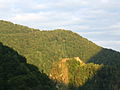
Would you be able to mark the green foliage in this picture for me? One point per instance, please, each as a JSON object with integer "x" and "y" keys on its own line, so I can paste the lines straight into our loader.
{"x": 93, "y": 77}
{"x": 106, "y": 57}
{"x": 43, "y": 48}
{"x": 16, "y": 74}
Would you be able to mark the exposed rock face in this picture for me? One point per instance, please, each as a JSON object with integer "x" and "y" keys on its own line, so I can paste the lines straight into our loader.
{"x": 60, "y": 72}
{"x": 75, "y": 58}
{"x": 78, "y": 59}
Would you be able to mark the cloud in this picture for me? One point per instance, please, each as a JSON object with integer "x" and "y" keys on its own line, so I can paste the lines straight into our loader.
{"x": 109, "y": 44}
{"x": 115, "y": 26}
{"x": 28, "y": 17}
{"x": 91, "y": 33}
{"x": 105, "y": 1}
{"x": 41, "y": 6}
{"x": 50, "y": 20}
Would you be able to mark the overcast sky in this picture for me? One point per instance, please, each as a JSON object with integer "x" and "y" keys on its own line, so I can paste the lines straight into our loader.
{"x": 97, "y": 20}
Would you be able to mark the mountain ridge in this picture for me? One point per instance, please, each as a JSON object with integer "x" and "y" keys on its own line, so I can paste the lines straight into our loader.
{"x": 44, "y": 48}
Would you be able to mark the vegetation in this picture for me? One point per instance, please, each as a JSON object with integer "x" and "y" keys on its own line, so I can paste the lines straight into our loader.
{"x": 16, "y": 74}
{"x": 93, "y": 76}
{"x": 42, "y": 49}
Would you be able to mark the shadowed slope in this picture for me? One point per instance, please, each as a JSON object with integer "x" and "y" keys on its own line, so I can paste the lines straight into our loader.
{"x": 77, "y": 75}
{"x": 16, "y": 74}
{"x": 106, "y": 57}
{"x": 106, "y": 78}
{"x": 92, "y": 76}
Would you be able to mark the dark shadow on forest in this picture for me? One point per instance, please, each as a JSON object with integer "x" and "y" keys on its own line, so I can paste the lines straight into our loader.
{"x": 16, "y": 74}
{"x": 106, "y": 57}
{"x": 108, "y": 76}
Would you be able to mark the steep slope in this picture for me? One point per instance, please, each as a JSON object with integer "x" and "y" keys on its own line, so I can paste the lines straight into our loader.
{"x": 16, "y": 74}
{"x": 77, "y": 75}
{"x": 93, "y": 76}
{"x": 60, "y": 72}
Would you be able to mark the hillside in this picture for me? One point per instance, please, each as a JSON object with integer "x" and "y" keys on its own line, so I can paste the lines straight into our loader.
{"x": 45, "y": 48}
{"x": 16, "y": 74}
{"x": 77, "y": 75}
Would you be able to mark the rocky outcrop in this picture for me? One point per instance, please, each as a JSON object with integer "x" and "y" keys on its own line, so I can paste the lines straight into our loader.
{"x": 60, "y": 72}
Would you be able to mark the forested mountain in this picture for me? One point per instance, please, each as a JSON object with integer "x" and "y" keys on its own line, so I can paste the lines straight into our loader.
{"x": 45, "y": 50}
{"x": 16, "y": 74}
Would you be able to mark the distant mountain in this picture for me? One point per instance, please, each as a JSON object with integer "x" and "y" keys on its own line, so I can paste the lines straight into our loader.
{"x": 45, "y": 48}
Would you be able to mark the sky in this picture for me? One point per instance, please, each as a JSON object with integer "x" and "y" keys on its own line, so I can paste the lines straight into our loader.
{"x": 97, "y": 20}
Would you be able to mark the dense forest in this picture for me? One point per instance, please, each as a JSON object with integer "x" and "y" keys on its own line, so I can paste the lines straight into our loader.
{"x": 16, "y": 74}
{"x": 32, "y": 55}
